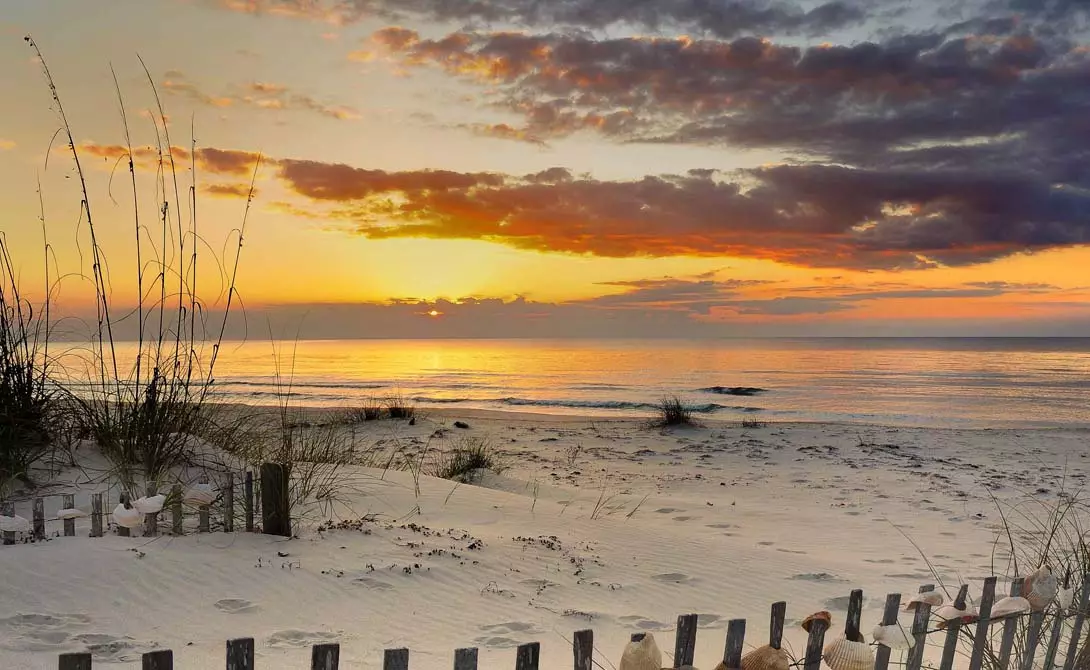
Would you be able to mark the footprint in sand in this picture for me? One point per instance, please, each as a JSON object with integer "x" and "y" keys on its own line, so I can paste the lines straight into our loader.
{"x": 294, "y": 639}
{"x": 45, "y": 621}
{"x": 684, "y": 518}
{"x": 818, "y": 577}
{"x": 234, "y": 605}
{"x": 112, "y": 648}
{"x": 372, "y": 583}
{"x": 721, "y": 525}
{"x": 496, "y": 637}
{"x": 840, "y": 603}
{"x": 668, "y": 510}
{"x": 642, "y": 623}
{"x": 879, "y": 561}
{"x": 40, "y": 631}
{"x": 672, "y": 578}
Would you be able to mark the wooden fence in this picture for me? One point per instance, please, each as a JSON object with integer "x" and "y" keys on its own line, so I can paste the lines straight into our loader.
{"x": 976, "y": 635}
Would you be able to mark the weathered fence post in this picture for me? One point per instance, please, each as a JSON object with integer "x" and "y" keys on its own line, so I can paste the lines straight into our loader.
{"x": 8, "y": 509}
{"x": 889, "y": 617}
{"x": 814, "y": 644}
{"x": 685, "y": 640}
{"x": 1010, "y": 626}
{"x": 249, "y": 502}
{"x": 240, "y": 654}
{"x": 736, "y": 634}
{"x": 527, "y": 656}
{"x": 151, "y": 521}
{"x": 39, "y": 518}
{"x": 583, "y": 648}
{"x": 984, "y": 613}
{"x": 275, "y": 511}
{"x": 158, "y": 660}
{"x": 855, "y": 614}
{"x": 1076, "y": 631}
{"x": 176, "y": 509}
{"x": 325, "y": 657}
{"x": 775, "y": 628}
{"x": 96, "y": 515}
{"x": 1033, "y": 638}
{"x": 69, "y": 502}
{"x": 229, "y": 504}
{"x": 953, "y": 631}
{"x": 466, "y": 659}
{"x": 123, "y": 499}
{"x": 919, "y": 631}
{"x": 1057, "y": 629}
{"x": 74, "y": 661}
{"x": 395, "y": 659}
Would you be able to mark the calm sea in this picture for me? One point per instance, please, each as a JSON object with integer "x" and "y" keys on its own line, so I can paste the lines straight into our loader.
{"x": 944, "y": 382}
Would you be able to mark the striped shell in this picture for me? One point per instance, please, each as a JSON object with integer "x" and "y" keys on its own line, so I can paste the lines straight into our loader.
{"x": 1040, "y": 588}
{"x": 893, "y": 636}
{"x": 766, "y": 658}
{"x": 126, "y": 517}
{"x": 1008, "y": 606}
{"x": 641, "y": 654}
{"x": 817, "y": 616}
{"x": 843, "y": 654}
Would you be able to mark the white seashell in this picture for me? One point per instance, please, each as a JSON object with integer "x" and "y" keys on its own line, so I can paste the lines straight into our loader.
{"x": 199, "y": 494}
{"x": 71, "y": 513}
{"x": 14, "y": 524}
{"x": 951, "y": 613}
{"x": 1065, "y": 597}
{"x": 1040, "y": 588}
{"x": 126, "y": 518}
{"x": 932, "y": 598}
{"x": 843, "y": 654}
{"x": 766, "y": 658}
{"x": 641, "y": 654}
{"x": 1009, "y": 606}
{"x": 893, "y": 636}
{"x": 149, "y": 505}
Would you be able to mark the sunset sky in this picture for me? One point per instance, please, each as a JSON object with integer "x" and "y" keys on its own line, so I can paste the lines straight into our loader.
{"x": 577, "y": 167}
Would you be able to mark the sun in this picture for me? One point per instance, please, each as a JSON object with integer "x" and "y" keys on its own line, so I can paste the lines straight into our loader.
{"x": 434, "y": 313}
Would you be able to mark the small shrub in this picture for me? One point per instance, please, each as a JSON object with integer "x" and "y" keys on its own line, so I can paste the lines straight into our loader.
{"x": 399, "y": 408}
{"x": 672, "y": 411}
{"x": 372, "y": 410}
{"x": 470, "y": 454}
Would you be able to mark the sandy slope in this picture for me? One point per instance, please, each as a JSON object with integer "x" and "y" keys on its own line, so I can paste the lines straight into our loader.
{"x": 717, "y": 520}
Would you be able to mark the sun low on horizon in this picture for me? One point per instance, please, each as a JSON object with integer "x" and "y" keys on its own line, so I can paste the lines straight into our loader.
{"x": 566, "y": 168}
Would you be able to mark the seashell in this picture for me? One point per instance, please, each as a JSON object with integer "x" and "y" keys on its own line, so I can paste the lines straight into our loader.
{"x": 199, "y": 494}
{"x": 932, "y": 598}
{"x": 766, "y": 658}
{"x": 71, "y": 513}
{"x": 1040, "y": 588}
{"x": 150, "y": 504}
{"x": 1065, "y": 597}
{"x": 893, "y": 636}
{"x": 843, "y": 654}
{"x": 822, "y": 615}
{"x": 641, "y": 654}
{"x": 14, "y": 524}
{"x": 1008, "y": 606}
{"x": 126, "y": 517}
{"x": 948, "y": 613}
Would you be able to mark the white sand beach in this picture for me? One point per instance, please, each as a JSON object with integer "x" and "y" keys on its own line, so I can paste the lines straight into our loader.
{"x": 603, "y": 524}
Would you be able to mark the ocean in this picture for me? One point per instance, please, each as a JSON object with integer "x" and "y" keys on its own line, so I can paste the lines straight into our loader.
{"x": 951, "y": 382}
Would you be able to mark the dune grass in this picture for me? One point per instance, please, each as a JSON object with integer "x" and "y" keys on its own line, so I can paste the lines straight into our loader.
{"x": 468, "y": 455}
{"x": 672, "y": 412}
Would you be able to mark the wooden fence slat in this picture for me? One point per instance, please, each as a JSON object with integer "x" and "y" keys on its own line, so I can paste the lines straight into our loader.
{"x": 1076, "y": 631}
{"x": 919, "y": 631}
{"x": 985, "y": 614}
{"x": 685, "y": 640}
{"x": 69, "y": 501}
{"x": 8, "y": 509}
{"x": 889, "y": 617}
{"x": 814, "y": 644}
{"x": 74, "y": 661}
{"x": 325, "y": 656}
{"x": 1033, "y": 638}
{"x": 583, "y": 649}
{"x": 151, "y": 521}
{"x": 527, "y": 656}
{"x": 229, "y": 504}
{"x": 395, "y": 659}
{"x": 240, "y": 654}
{"x": 275, "y": 508}
{"x": 176, "y": 509}
{"x": 855, "y": 615}
{"x": 158, "y": 660}
{"x": 953, "y": 632}
{"x": 1010, "y": 627}
{"x": 466, "y": 659}
{"x": 775, "y": 627}
{"x": 248, "y": 503}
{"x": 39, "y": 518}
{"x": 123, "y": 499}
{"x": 96, "y": 515}
{"x": 1057, "y": 629}
{"x": 736, "y": 634}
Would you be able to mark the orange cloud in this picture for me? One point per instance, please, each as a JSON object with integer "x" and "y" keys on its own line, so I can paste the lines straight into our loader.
{"x": 234, "y": 190}
{"x": 218, "y": 161}
{"x": 258, "y": 95}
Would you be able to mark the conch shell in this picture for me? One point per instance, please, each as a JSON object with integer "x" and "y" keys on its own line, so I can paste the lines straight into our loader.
{"x": 844, "y": 654}
{"x": 932, "y": 598}
{"x": 893, "y": 636}
{"x": 1009, "y": 606}
{"x": 1040, "y": 588}
{"x": 766, "y": 658}
{"x": 641, "y": 654}
{"x": 816, "y": 616}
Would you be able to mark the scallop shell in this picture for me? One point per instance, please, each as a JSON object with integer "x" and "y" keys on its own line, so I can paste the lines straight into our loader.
{"x": 843, "y": 654}
{"x": 14, "y": 524}
{"x": 948, "y": 613}
{"x": 199, "y": 494}
{"x": 1065, "y": 597}
{"x": 893, "y": 636}
{"x": 766, "y": 658}
{"x": 126, "y": 517}
{"x": 1040, "y": 588}
{"x": 150, "y": 504}
{"x": 932, "y": 598}
{"x": 1008, "y": 606}
{"x": 642, "y": 654}
{"x": 71, "y": 513}
{"x": 822, "y": 615}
